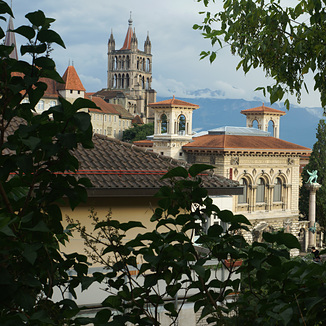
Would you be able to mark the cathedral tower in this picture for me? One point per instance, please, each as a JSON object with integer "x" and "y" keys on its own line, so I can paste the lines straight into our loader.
{"x": 130, "y": 72}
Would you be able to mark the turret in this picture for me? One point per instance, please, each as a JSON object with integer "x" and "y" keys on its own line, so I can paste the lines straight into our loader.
{"x": 134, "y": 42}
{"x": 147, "y": 45}
{"x": 111, "y": 44}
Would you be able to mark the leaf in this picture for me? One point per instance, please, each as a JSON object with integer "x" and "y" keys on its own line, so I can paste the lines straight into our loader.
{"x": 80, "y": 103}
{"x": 176, "y": 172}
{"x": 26, "y": 31}
{"x": 195, "y": 169}
{"x": 30, "y": 252}
{"x": 37, "y": 18}
{"x": 50, "y": 36}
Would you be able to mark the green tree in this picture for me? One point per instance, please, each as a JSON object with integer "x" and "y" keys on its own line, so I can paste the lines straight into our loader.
{"x": 286, "y": 42}
{"x": 36, "y": 151}
{"x": 138, "y": 132}
{"x": 317, "y": 162}
{"x": 269, "y": 288}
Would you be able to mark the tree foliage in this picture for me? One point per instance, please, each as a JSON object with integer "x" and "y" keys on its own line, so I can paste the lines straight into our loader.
{"x": 138, "y": 132}
{"x": 165, "y": 268}
{"x": 317, "y": 161}
{"x": 286, "y": 42}
{"x": 36, "y": 151}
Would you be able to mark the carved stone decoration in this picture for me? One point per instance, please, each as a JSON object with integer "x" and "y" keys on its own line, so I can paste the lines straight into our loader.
{"x": 290, "y": 161}
{"x": 235, "y": 160}
{"x": 212, "y": 159}
{"x": 287, "y": 225}
{"x": 288, "y": 171}
{"x": 254, "y": 172}
{"x": 271, "y": 172}
{"x": 235, "y": 172}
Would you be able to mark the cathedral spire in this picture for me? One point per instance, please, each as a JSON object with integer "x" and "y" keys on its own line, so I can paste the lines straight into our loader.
{"x": 10, "y": 39}
{"x": 130, "y": 33}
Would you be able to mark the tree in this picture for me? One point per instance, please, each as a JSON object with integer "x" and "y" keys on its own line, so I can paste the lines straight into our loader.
{"x": 36, "y": 151}
{"x": 286, "y": 42}
{"x": 138, "y": 132}
{"x": 317, "y": 161}
{"x": 165, "y": 268}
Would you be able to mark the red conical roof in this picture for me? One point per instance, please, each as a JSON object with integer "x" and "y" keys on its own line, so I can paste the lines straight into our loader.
{"x": 71, "y": 80}
{"x": 130, "y": 33}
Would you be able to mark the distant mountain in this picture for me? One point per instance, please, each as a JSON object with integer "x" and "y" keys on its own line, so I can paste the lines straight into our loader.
{"x": 297, "y": 126}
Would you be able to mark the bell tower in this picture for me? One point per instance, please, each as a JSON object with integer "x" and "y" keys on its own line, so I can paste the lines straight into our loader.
{"x": 130, "y": 72}
{"x": 263, "y": 115}
{"x": 172, "y": 126}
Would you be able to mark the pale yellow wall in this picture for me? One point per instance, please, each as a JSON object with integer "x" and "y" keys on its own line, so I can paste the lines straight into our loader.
{"x": 109, "y": 124}
{"x": 123, "y": 209}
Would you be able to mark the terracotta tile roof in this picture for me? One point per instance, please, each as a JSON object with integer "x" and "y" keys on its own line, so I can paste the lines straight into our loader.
{"x": 263, "y": 109}
{"x": 124, "y": 114}
{"x": 143, "y": 143}
{"x": 138, "y": 120}
{"x": 173, "y": 102}
{"x": 71, "y": 79}
{"x": 224, "y": 143}
{"x": 105, "y": 107}
{"x": 52, "y": 90}
{"x": 117, "y": 168}
{"x": 108, "y": 94}
{"x": 126, "y": 44}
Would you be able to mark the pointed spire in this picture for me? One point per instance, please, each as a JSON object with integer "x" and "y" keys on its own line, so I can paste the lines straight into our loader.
{"x": 10, "y": 39}
{"x": 147, "y": 44}
{"x": 126, "y": 44}
{"x": 72, "y": 81}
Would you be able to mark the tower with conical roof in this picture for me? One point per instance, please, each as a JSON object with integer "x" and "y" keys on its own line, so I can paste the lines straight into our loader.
{"x": 73, "y": 87}
{"x": 130, "y": 72}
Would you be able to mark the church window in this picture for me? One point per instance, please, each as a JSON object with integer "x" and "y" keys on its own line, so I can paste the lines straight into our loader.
{"x": 164, "y": 124}
{"x": 127, "y": 81}
{"x": 123, "y": 62}
{"x": 260, "y": 196}
{"x": 115, "y": 63}
{"x": 242, "y": 199}
{"x": 277, "y": 196}
{"x": 137, "y": 63}
{"x": 143, "y": 82}
{"x": 115, "y": 81}
{"x": 147, "y": 83}
{"x": 147, "y": 65}
{"x": 143, "y": 65}
{"x": 123, "y": 81}
{"x": 182, "y": 125}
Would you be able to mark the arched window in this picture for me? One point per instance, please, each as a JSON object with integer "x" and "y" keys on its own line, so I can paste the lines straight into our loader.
{"x": 255, "y": 124}
{"x": 128, "y": 62}
{"x": 164, "y": 124}
{"x": 242, "y": 199}
{"x": 123, "y": 81}
{"x": 260, "y": 196}
{"x": 277, "y": 196}
{"x": 115, "y": 81}
{"x": 182, "y": 125}
{"x": 127, "y": 81}
{"x": 271, "y": 127}
{"x": 115, "y": 63}
{"x": 148, "y": 65}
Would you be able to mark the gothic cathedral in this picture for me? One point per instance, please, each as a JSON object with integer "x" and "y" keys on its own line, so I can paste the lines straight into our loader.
{"x": 130, "y": 75}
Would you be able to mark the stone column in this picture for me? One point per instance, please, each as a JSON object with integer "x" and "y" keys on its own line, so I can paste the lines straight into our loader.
{"x": 312, "y": 187}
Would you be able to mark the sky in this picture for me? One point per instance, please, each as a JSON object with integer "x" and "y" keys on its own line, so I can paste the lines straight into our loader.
{"x": 85, "y": 27}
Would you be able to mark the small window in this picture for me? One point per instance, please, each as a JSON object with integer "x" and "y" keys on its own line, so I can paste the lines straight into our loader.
{"x": 71, "y": 91}
{"x": 162, "y": 153}
{"x": 78, "y": 92}
{"x": 40, "y": 106}
{"x": 164, "y": 124}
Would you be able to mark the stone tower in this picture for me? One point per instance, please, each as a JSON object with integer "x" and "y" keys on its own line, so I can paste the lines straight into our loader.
{"x": 130, "y": 72}
{"x": 172, "y": 126}
{"x": 263, "y": 115}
